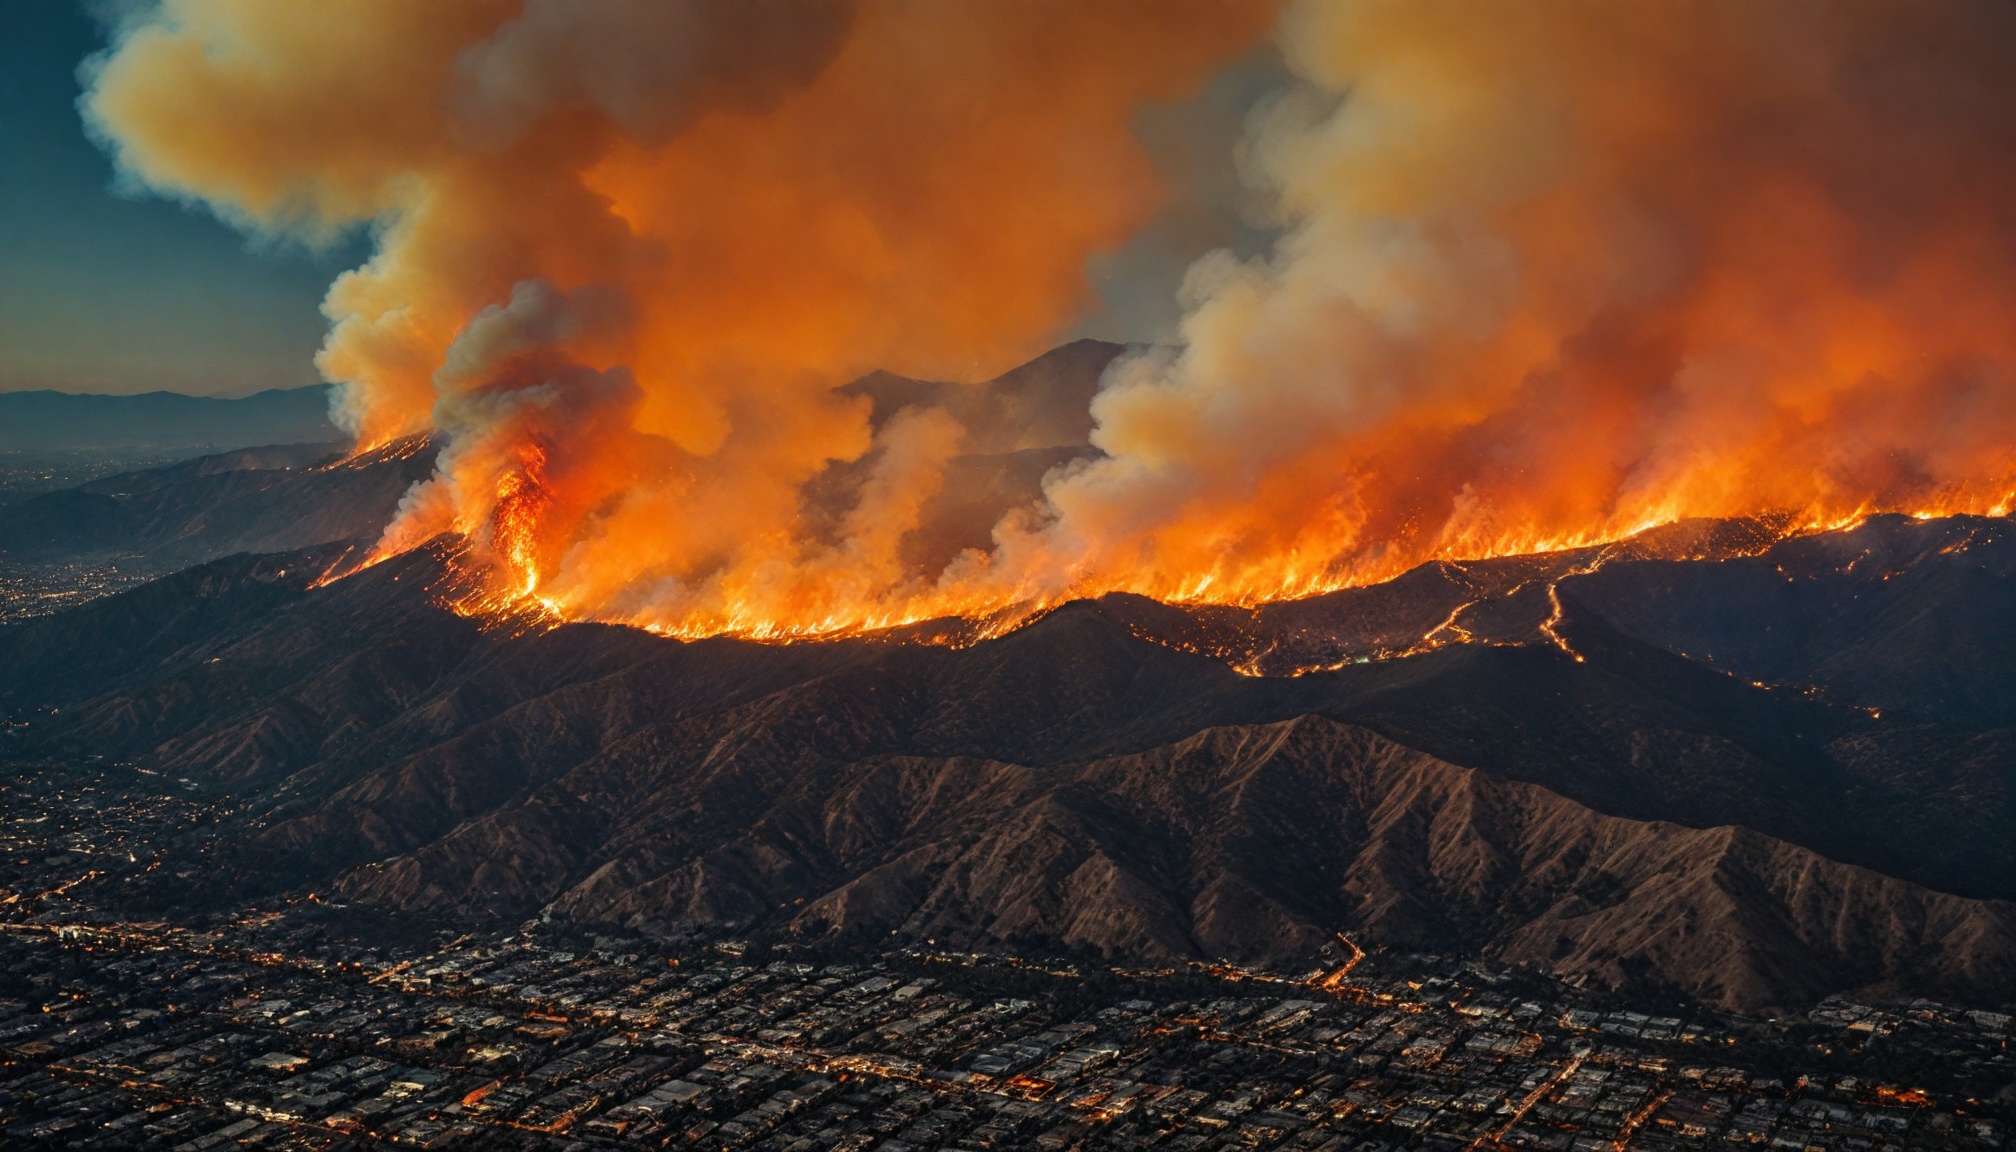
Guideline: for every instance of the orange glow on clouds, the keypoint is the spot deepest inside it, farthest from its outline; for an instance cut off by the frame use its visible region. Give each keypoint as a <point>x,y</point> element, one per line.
<point>1548,274</point>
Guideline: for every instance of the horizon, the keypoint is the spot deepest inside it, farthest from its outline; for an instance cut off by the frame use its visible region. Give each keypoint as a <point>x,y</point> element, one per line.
<point>1350,346</point>
<point>1079,575</point>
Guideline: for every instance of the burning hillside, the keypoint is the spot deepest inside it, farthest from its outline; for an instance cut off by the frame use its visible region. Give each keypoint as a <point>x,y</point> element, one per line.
<point>1543,277</point>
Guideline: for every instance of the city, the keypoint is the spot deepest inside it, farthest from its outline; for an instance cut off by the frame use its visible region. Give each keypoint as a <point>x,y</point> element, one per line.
<point>304,1024</point>
<point>39,585</point>
<point>28,590</point>
<point>1074,575</point>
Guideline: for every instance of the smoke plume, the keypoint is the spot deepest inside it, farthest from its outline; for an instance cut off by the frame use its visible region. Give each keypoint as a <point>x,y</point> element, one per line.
<point>1552,273</point>
<point>1546,274</point>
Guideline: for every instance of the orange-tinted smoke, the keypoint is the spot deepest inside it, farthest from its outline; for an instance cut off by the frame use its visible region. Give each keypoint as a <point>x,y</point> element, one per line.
<point>1554,272</point>
<point>645,240</point>
<point>1548,272</point>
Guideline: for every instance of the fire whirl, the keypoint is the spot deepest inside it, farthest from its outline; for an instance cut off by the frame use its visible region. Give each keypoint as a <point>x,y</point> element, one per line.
<point>514,524</point>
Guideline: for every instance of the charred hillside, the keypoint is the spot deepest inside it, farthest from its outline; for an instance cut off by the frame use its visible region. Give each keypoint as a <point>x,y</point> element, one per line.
<point>1630,803</point>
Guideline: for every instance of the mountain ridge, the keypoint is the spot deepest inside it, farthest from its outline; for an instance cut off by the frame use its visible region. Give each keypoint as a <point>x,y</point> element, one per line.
<point>1715,758</point>
<point>44,420</point>
<point>387,749</point>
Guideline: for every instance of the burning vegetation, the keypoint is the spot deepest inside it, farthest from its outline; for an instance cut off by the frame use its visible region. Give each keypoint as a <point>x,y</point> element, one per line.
<point>1543,277</point>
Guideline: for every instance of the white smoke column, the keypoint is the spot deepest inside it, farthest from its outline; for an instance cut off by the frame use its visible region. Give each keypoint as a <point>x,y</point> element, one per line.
<point>1555,271</point>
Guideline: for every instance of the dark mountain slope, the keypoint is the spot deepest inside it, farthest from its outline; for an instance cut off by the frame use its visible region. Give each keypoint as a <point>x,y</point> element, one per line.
<point>219,673</point>
<point>1052,784</point>
<point>1898,614</point>
<point>257,500</point>
<point>1075,685</point>
<point>1634,731</point>
<point>1895,613</point>
<point>1248,842</point>
<point>369,685</point>
<point>156,629</point>
<point>1503,600</point>
<point>1057,691</point>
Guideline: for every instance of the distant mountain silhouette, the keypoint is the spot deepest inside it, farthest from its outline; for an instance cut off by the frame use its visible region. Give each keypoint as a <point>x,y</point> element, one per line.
<point>250,500</point>
<point>45,421</point>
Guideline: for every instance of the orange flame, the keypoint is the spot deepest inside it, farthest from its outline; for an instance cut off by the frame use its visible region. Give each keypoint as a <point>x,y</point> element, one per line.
<point>1545,277</point>
<point>514,520</point>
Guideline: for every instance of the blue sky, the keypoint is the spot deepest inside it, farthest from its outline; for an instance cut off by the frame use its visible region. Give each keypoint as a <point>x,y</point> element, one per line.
<point>107,290</point>
<point>103,292</point>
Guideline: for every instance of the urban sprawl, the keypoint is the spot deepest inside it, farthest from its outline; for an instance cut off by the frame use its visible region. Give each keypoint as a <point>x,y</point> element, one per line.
<point>293,1025</point>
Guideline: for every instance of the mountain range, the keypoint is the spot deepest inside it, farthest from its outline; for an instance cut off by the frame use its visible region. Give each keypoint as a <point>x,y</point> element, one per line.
<point>249,500</point>
<point>43,421</point>
<point>1717,759</point>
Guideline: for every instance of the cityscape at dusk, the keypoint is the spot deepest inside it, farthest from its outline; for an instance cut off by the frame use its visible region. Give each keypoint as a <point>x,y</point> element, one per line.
<point>979,575</point>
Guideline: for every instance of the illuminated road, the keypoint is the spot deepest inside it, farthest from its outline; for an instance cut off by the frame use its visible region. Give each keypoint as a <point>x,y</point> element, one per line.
<point>1534,1097</point>
<point>1337,983</point>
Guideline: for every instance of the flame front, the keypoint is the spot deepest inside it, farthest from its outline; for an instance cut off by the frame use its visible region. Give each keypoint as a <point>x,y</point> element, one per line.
<point>1543,276</point>
<point>514,521</point>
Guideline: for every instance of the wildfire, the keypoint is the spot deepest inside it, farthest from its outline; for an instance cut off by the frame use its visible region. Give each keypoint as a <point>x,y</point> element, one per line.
<point>950,619</point>
<point>498,579</point>
<point>1542,278</point>
<point>514,521</point>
